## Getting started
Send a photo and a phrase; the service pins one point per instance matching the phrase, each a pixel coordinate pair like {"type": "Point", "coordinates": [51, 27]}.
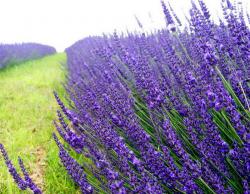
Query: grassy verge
{"type": "Point", "coordinates": [27, 109]}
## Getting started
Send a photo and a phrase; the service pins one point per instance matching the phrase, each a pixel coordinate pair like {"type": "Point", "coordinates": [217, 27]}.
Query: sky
{"type": "Point", "coordinates": [60, 23]}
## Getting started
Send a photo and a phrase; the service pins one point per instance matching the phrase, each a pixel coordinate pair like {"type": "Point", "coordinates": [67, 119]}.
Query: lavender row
{"type": "Point", "coordinates": [168, 111]}
{"type": "Point", "coordinates": [16, 53]}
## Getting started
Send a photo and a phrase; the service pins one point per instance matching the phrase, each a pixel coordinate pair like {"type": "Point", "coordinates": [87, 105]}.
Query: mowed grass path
{"type": "Point", "coordinates": [27, 109]}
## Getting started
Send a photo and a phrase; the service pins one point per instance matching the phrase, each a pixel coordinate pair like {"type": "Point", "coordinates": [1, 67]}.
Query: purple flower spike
{"type": "Point", "coordinates": [28, 180]}
{"type": "Point", "coordinates": [22, 184]}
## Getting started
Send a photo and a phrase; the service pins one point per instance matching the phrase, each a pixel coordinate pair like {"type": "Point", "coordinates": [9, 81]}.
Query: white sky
{"type": "Point", "coordinates": [60, 23]}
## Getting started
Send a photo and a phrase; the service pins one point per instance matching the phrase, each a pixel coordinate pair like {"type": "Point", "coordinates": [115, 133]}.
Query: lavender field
{"type": "Point", "coordinates": [156, 112]}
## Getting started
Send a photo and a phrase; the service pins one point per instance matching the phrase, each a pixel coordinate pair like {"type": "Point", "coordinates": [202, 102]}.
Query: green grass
{"type": "Point", "coordinates": [27, 109]}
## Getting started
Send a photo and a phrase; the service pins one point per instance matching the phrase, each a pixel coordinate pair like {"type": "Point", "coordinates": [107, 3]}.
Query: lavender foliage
{"type": "Point", "coordinates": [175, 99]}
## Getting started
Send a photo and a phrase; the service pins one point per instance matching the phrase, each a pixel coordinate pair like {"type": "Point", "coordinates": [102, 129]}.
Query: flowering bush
{"type": "Point", "coordinates": [15, 53]}
{"type": "Point", "coordinates": [160, 113]}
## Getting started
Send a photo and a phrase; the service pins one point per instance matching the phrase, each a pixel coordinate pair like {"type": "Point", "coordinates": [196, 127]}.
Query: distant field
{"type": "Point", "coordinates": [27, 109]}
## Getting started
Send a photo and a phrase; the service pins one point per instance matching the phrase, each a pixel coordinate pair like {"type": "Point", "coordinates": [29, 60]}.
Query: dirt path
{"type": "Point", "coordinates": [27, 109]}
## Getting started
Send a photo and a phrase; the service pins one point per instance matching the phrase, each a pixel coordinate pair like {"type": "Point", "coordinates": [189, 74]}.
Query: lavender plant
{"type": "Point", "coordinates": [166, 112]}
{"type": "Point", "coordinates": [23, 183]}
{"type": "Point", "coordinates": [16, 53]}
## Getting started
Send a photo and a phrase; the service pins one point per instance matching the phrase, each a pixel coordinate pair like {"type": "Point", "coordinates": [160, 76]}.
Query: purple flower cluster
{"type": "Point", "coordinates": [16, 53]}
{"type": "Point", "coordinates": [163, 112]}
{"type": "Point", "coordinates": [23, 183]}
